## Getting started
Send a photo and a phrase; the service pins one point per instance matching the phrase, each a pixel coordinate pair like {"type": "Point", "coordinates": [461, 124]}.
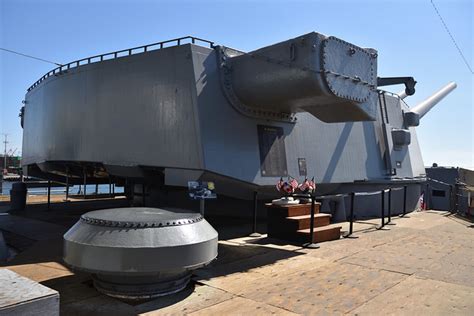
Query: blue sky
{"type": "Point", "coordinates": [408, 35]}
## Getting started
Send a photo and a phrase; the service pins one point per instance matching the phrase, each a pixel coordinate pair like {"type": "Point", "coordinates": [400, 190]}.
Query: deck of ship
{"type": "Point", "coordinates": [423, 265]}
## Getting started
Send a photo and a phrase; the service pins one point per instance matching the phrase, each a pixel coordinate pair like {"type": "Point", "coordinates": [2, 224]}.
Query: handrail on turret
{"type": "Point", "coordinates": [128, 52]}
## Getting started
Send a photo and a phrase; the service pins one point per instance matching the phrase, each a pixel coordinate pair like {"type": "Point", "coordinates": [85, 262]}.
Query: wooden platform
{"type": "Point", "coordinates": [292, 222]}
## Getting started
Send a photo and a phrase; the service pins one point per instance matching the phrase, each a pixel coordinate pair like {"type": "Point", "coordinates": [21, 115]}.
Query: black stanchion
{"type": "Point", "coordinates": [382, 215]}
{"type": "Point", "coordinates": [255, 209]}
{"type": "Point", "coordinates": [311, 244]}
{"type": "Point", "coordinates": [67, 185]}
{"type": "Point", "coordinates": [404, 200]}
{"type": "Point", "coordinates": [351, 217]}
{"type": "Point", "coordinates": [389, 205]}
{"type": "Point", "coordinates": [49, 194]}
{"type": "Point", "coordinates": [389, 222]}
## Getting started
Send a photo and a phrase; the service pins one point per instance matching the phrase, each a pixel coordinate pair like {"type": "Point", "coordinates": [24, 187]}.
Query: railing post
{"type": "Point", "coordinates": [311, 244]}
{"type": "Point", "coordinates": [143, 194]}
{"type": "Point", "coordinates": [389, 205]}
{"type": "Point", "coordinates": [405, 188]}
{"type": "Point", "coordinates": [49, 194]}
{"type": "Point", "coordinates": [382, 210]}
{"type": "Point", "coordinates": [351, 219]}
{"type": "Point", "coordinates": [255, 209]}
{"type": "Point", "coordinates": [67, 184]}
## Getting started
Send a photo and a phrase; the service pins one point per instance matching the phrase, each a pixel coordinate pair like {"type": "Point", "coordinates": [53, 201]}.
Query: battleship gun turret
{"type": "Point", "coordinates": [154, 117]}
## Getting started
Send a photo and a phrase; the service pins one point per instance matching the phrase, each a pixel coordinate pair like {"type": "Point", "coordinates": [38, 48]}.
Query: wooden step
{"type": "Point", "coordinates": [295, 223]}
{"type": "Point", "coordinates": [304, 221]}
{"type": "Point", "coordinates": [321, 234]}
{"type": "Point", "coordinates": [291, 210]}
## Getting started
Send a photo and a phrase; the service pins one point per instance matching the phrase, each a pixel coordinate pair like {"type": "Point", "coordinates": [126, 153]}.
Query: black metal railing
{"type": "Point", "coordinates": [351, 218]}
{"type": "Point", "coordinates": [120, 53]}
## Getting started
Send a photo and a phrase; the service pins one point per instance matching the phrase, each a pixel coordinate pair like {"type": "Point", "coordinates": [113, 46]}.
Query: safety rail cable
{"type": "Point", "coordinates": [353, 195]}
{"type": "Point", "coordinates": [348, 194]}
{"type": "Point", "coordinates": [120, 53]}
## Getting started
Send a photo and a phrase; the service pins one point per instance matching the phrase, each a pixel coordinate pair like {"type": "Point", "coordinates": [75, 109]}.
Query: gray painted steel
{"type": "Point", "coordinates": [152, 247]}
{"type": "Point", "coordinates": [136, 110]}
{"type": "Point", "coordinates": [190, 112]}
{"type": "Point", "coordinates": [25, 297]}
{"type": "Point", "coordinates": [325, 76]}
{"type": "Point", "coordinates": [450, 189]}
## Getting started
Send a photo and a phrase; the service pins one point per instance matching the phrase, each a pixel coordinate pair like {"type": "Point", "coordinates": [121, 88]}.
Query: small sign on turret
{"type": "Point", "coordinates": [198, 190]}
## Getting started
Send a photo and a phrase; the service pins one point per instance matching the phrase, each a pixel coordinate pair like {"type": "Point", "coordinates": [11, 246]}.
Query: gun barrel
{"type": "Point", "coordinates": [426, 105]}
